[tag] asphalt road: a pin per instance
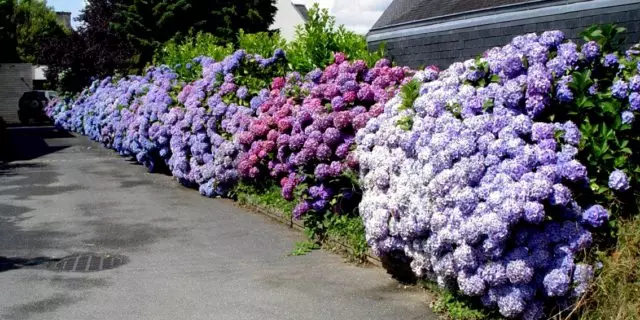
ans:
(189, 257)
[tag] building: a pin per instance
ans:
(15, 79)
(288, 16)
(64, 18)
(439, 32)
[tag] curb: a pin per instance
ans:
(297, 225)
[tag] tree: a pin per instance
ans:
(24, 26)
(123, 35)
(8, 41)
(94, 50)
(147, 24)
(35, 23)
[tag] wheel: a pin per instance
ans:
(24, 119)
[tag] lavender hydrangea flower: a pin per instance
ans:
(627, 117)
(591, 50)
(619, 181)
(620, 89)
(610, 60)
(595, 216)
(556, 283)
(634, 101)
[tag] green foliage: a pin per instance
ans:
(318, 39)
(24, 26)
(608, 36)
(409, 93)
(178, 53)
(263, 196)
(262, 43)
(304, 247)
(457, 307)
(349, 230)
(607, 143)
(8, 41)
(405, 123)
(147, 24)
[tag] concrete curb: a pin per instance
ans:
(297, 225)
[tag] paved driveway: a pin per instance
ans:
(189, 257)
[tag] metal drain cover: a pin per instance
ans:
(88, 262)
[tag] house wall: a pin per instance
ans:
(12, 86)
(286, 19)
(441, 48)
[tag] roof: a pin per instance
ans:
(302, 9)
(406, 11)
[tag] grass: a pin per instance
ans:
(265, 197)
(344, 229)
(615, 294)
(350, 231)
(456, 307)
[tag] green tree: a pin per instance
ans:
(35, 22)
(147, 24)
(24, 26)
(319, 38)
(8, 41)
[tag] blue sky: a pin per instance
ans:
(368, 11)
(73, 6)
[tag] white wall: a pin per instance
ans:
(286, 19)
(12, 85)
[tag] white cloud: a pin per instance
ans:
(357, 15)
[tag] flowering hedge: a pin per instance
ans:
(495, 177)
(478, 185)
(305, 130)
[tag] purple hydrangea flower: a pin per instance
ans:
(628, 117)
(595, 216)
(620, 89)
(610, 60)
(619, 181)
(556, 283)
(591, 50)
(634, 101)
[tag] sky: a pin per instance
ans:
(356, 15)
(73, 6)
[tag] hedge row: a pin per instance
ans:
(497, 177)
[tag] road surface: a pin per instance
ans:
(189, 257)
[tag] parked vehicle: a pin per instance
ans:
(32, 104)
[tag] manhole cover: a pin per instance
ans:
(88, 262)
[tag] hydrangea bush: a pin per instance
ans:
(212, 110)
(304, 132)
(496, 177)
(484, 183)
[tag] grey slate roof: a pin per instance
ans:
(403, 11)
(302, 9)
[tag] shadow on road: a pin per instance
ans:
(7, 264)
(28, 143)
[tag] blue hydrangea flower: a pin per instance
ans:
(610, 60)
(619, 181)
(627, 117)
(595, 216)
(591, 50)
(634, 101)
(620, 89)
(556, 283)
